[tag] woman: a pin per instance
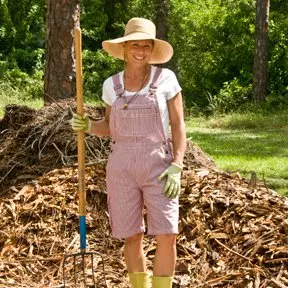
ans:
(143, 167)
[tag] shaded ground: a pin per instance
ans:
(232, 234)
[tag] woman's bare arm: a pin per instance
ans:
(101, 127)
(176, 115)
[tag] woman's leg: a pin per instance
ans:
(133, 253)
(135, 261)
(165, 260)
(165, 257)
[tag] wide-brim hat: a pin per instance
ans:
(140, 29)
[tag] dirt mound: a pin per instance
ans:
(232, 234)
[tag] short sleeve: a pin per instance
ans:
(172, 85)
(108, 93)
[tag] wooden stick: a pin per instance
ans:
(278, 283)
(80, 111)
(248, 259)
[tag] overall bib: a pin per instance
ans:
(140, 153)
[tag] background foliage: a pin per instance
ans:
(213, 43)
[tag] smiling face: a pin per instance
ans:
(137, 52)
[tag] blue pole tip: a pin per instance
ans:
(82, 222)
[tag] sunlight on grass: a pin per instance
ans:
(246, 143)
(242, 121)
(11, 95)
(94, 102)
(35, 104)
(268, 169)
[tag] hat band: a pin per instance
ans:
(139, 32)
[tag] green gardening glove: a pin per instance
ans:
(80, 123)
(172, 187)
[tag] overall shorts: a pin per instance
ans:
(140, 153)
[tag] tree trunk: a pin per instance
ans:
(62, 17)
(162, 23)
(261, 50)
(109, 10)
(116, 11)
(161, 18)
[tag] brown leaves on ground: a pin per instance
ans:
(231, 234)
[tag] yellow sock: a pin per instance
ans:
(162, 282)
(139, 279)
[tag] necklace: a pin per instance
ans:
(125, 106)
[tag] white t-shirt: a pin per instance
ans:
(168, 87)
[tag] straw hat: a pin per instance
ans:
(140, 29)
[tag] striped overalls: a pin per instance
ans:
(140, 153)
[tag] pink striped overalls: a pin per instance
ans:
(140, 153)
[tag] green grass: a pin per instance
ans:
(247, 142)
(11, 95)
(14, 95)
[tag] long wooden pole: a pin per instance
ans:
(80, 139)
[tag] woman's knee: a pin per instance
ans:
(135, 239)
(166, 239)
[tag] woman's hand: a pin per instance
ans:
(172, 187)
(80, 123)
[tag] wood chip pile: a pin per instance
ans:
(232, 234)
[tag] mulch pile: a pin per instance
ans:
(232, 233)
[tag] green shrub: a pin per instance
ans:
(230, 98)
(97, 66)
(29, 61)
(3, 68)
(213, 44)
(31, 87)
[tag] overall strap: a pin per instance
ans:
(152, 90)
(154, 83)
(117, 85)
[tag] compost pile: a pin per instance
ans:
(233, 233)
